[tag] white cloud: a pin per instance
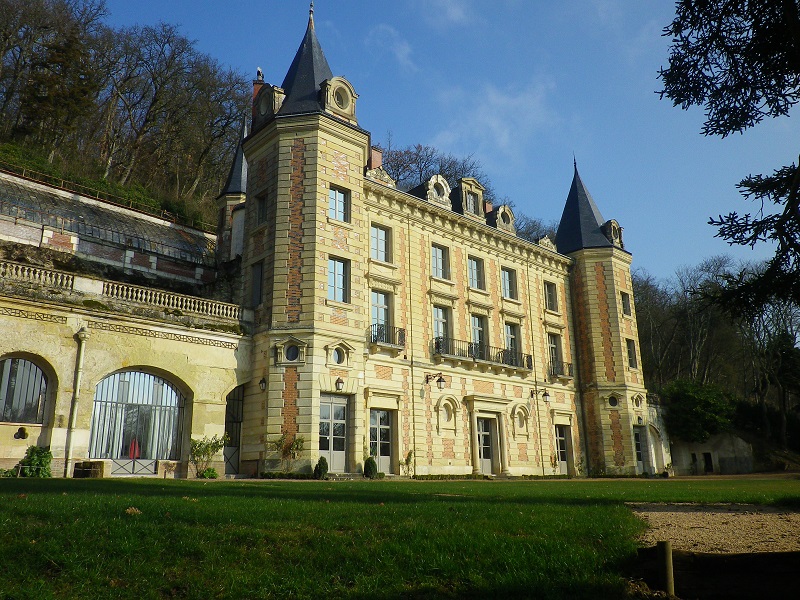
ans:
(495, 124)
(384, 38)
(452, 11)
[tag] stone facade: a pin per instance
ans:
(363, 319)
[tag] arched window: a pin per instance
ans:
(23, 389)
(136, 416)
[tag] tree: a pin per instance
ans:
(695, 411)
(741, 62)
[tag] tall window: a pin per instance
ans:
(626, 303)
(440, 262)
(23, 388)
(338, 279)
(550, 296)
(509, 281)
(633, 363)
(478, 325)
(476, 279)
(512, 337)
(381, 302)
(261, 209)
(473, 205)
(339, 204)
(441, 322)
(257, 276)
(380, 244)
(136, 416)
(554, 349)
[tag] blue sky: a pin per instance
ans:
(521, 84)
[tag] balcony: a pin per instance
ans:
(460, 351)
(385, 337)
(560, 370)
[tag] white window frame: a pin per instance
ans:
(338, 279)
(475, 270)
(627, 309)
(509, 283)
(339, 204)
(441, 321)
(551, 296)
(633, 361)
(440, 261)
(381, 308)
(380, 245)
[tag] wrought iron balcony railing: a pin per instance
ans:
(443, 346)
(560, 369)
(385, 334)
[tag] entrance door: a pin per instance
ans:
(234, 406)
(639, 443)
(333, 431)
(380, 439)
(485, 445)
(562, 445)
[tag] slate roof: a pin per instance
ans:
(237, 177)
(102, 224)
(581, 221)
(304, 78)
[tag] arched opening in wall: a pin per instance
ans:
(234, 413)
(23, 391)
(137, 420)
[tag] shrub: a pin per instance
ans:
(209, 473)
(36, 462)
(321, 469)
(289, 448)
(370, 468)
(202, 452)
(408, 464)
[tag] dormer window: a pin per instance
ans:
(340, 98)
(473, 205)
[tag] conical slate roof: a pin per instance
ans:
(581, 221)
(304, 78)
(237, 177)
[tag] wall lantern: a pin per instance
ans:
(339, 384)
(440, 380)
(546, 396)
(262, 384)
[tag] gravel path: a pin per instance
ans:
(723, 528)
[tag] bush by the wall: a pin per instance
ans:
(370, 468)
(321, 469)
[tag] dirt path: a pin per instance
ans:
(723, 528)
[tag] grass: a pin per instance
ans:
(187, 539)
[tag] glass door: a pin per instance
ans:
(562, 455)
(333, 431)
(485, 445)
(380, 439)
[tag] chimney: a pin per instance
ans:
(375, 158)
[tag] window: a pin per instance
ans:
(473, 205)
(381, 302)
(380, 244)
(478, 325)
(261, 209)
(509, 281)
(441, 322)
(23, 388)
(257, 275)
(554, 350)
(626, 303)
(476, 279)
(338, 279)
(632, 362)
(550, 296)
(339, 205)
(512, 337)
(440, 262)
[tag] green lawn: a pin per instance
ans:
(189, 539)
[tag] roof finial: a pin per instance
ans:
(311, 16)
(574, 161)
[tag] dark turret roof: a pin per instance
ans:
(581, 221)
(304, 79)
(237, 177)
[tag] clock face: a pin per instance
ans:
(342, 98)
(263, 104)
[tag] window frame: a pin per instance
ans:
(633, 359)
(257, 279)
(261, 209)
(554, 349)
(441, 323)
(440, 262)
(375, 307)
(375, 241)
(474, 203)
(34, 382)
(511, 333)
(508, 285)
(627, 308)
(338, 272)
(339, 204)
(551, 296)
(476, 273)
